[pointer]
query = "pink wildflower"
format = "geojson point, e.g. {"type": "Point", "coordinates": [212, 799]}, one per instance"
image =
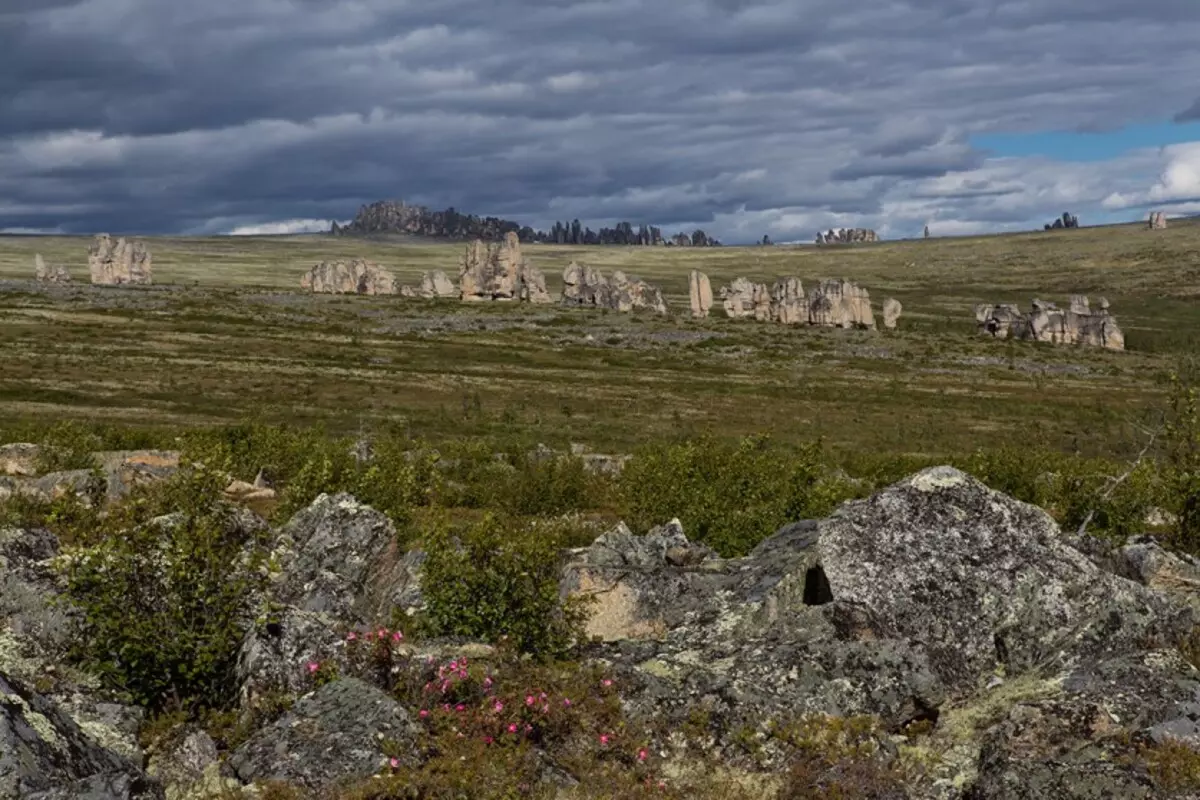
{"type": "Point", "coordinates": [460, 707]}
{"type": "Point", "coordinates": [642, 754]}
{"type": "Point", "coordinates": [604, 738]}
{"type": "Point", "coordinates": [487, 682]}
{"type": "Point", "coordinates": [395, 762]}
{"type": "Point", "coordinates": [424, 713]}
{"type": "Point", "coordinates": [498, 707]}
{"type": "Point", "coordinates": [351, 636]}
{"type": "Point", "coordinates": [606, 683]}
{"type": "Point", "coordinates": [397, 636]}
{"type": "Point", "coordinates": [529, 700]}
{"type": "Point", "coordinates": [512, 728]}
{"type": "Point", "coordinates": [313, 666]}
{"type": "Point", "coordinates": [382, 633]}
{"type": "Point", "coordinates": [567, 702]}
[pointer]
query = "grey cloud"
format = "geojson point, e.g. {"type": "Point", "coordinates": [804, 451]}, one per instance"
{"type": "Point", "coordinates": [787, 112]}
{"type": "Point", "coordinates": [1189, 114]}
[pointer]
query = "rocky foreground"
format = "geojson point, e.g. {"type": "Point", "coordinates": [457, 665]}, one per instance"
{"type": "Point", "coordinates": [1009, 659]}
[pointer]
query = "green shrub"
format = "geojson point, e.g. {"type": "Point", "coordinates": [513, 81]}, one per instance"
{"type": "Point", "coordinates": [1182, 439]}
{"type": "Point", "coordinates": [729, 495]}
{"type": "Point", "coordinates": [162, 600]}
{"type": "Point", "coordinates": [498, 580]}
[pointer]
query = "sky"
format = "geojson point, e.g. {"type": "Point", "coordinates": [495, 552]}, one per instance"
{"type": "Point", "coordinates": [741, 117]}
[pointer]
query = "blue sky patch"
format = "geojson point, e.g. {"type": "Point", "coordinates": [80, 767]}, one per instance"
{"type": "Point", "coordinates": [1072, 146]}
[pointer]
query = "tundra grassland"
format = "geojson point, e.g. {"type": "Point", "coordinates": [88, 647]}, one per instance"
{"type": "Point", "coordinates": [226, 334]}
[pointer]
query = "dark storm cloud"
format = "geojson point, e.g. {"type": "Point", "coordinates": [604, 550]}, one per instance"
{"type": "Point", "coordinates": [741, 116]}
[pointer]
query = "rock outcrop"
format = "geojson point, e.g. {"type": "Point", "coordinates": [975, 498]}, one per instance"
{"type": "Point", "coordinates": [119, 262]}
{"type": "Point", "coordinates": [840, 304]}
{"type": "Point", "coordinates": [744, 299]}
{"type": "Point", "coordinates": [700, 296]}
{"type": "Point", "coordinates": [500, 272]}
{"type": "Point", "coordinates": [1158, 221]}
{"type": "Point", "coordinates": [936, 601]}
{"type": "Point", "coordinates": [1079, 325]}
{"type": "Point", "coordinates": [847, 236]}
{"type": "Point", "coordinates": [891, 313]}
{"type": "Point", "coordinates": [830, 304]}
{"type": "Point", "coordinates": [587, 286]}
{"type": "Point", "coordinates": [44, 273]}
{"type": "Point", "coordinates": [354, 277]}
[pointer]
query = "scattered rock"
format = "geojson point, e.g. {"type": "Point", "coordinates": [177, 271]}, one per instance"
{"type": "Point", "coordinates": [699, 294]}
{"type": "Point", "coordinates": [43, 273]}
{"type": "Point", "coordinates": [119, 262]}
{"type": "Point", "coordinates": [332, 735]}
{"type": "Point", "coordinates": [356, 277]}
{"type": "Point", "coordinates": [891, 313]}
{"type": "Point", "coordinates": [189, 770]}
{"type": "Point", "coordinates": [847, 236]}
{"type": "Point", "coordinates": [19, 459]}
{"type": "Point", "coordinates": [1158, 221]}
{"type": "Point", "coordinates": [587, 286]}
{"type": "Point", "coordinates": [500, 273]}
{"type": "Point", "coordinates": [1081, 324]}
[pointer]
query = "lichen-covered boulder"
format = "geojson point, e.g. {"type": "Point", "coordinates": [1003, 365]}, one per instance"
{"type": "Point", "coordinates": [936, 600]}
{"type": "Point", "coordinates": [46, 755]}
{"type": "Point", "coordinates": [333, 735]}
{"type": "Point", "coordinates": [338, 566]}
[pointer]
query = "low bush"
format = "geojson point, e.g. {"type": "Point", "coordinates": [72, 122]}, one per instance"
{"type": "Point", "coordinates": [497, 579]}
{"type": "Point", "coordinates": [161, 584]}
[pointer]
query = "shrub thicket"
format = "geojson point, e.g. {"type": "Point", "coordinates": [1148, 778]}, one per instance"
{"type": "Point", "coordinates": [497, 579]}
{"type": "Point", "coordinates": [161, 584]}
{"type": "Point", "coordinates": [730, 496]}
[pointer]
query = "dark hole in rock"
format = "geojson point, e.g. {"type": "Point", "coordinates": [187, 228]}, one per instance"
{"type": "Point", "coordinates": [274, 629]}
{"type": "Point", "coordinates": [816, 587]}
{"type": "Point", "coordinates": [1001, 649]}
{"type": "Point", "coordinates": [923, 720]}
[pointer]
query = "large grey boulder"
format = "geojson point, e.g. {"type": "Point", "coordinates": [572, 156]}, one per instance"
{"type": "Point", "coordinates": [46, 755]}
{"type": "Point", "coordinates": [930, 600]}
{"type": "Point", "coordinates": [338, 567]}
{"type": "Point", "coordinates": [333, 735]}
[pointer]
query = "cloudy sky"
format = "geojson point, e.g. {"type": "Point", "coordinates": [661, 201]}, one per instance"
{"type": "Point", "coordinates": [742, 117]}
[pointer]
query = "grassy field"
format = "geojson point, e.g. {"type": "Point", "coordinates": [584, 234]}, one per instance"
{"type": "Point", "coordinates": [226, 333]}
